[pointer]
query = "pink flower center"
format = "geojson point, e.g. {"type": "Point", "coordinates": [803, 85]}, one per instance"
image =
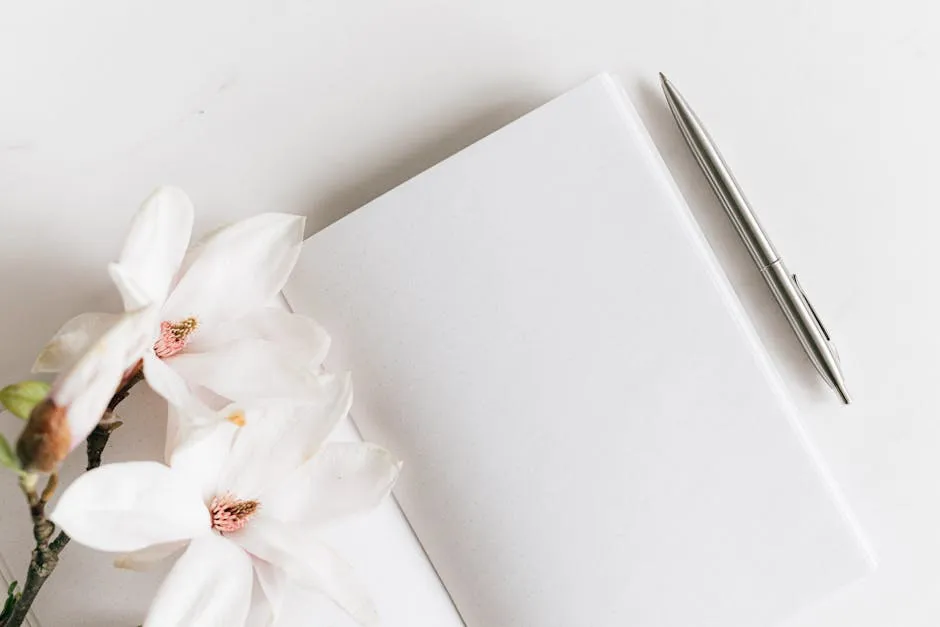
{"type": "Point", "coordinates": [230, 514]}
{"type": "Point", "coordinates": [174, 337]}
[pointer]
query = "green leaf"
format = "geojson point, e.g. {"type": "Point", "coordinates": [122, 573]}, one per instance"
{"type": "Point", "coordinates": [20, 398]}
{"type": "Point", "coordinates": [8, 457]}
{"type": "Point", "coordinates": [12, 598]}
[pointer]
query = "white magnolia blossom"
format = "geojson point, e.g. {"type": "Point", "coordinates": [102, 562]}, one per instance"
{"type": "Point", "coordinates": [244, 506]}
{"type": "Point", "coordinates": [80, 395]}
{"type": "Point", "coordinates": [217, 339]}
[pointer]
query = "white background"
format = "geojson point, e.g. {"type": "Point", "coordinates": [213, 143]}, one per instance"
{"type": "Point", "coordinates": [826, 109]}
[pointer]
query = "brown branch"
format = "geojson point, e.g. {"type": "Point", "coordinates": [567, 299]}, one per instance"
{"type": "Point", "coordinates": [45, 556]}
{"type": "Point", "coordinates": [125, 389]}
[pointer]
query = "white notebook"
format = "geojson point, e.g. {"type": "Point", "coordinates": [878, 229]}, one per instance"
{"type": "Point", "coordinates": [592, 433]}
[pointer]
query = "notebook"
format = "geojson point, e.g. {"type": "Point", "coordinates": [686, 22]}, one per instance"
{"type": "Point", "coordinates": [592, 432]}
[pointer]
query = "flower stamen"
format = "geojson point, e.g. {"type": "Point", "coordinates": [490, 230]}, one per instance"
{"type": "Point", "coordinates": [237, 418]}
{"type": "Point", "coordinates": [230, 514]}
{"type": "Point", "coordinates": [174, 336]}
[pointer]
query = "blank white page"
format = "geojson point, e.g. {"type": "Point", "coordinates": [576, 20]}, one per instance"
{"type": "Point", "coordinates": [592, 433]}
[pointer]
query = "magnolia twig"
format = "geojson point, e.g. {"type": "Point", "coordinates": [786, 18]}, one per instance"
{"type": "Point", "coordinates": [44, 559]}
{"type": "Point", "coordinates": [46, 553]}
{"type": "Point", "coordinates": [125, 389]}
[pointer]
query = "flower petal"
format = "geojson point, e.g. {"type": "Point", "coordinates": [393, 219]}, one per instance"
{"type": "Point", "coordinates": [210, 585]}
{"type": "Point", "coordinates": [249, 370]}
{"type": "Point", "coordinates": [133, 295]}
{"type": "Point", "coordinates": [170, 385]}
{"type": "Point", "coordinates": [130, 506]}
{"type": "Point", "coordinates": [267, 597]}
{"type": "Point", "coordinates": [175, 434]}
{"type": "Point", "coordinates": [87, 387]}
{"type": "Point", "coordinates": [261, 611]}
{"type": "Point", "coordinates": [343, 479]}
{"type": "Point", "coordinates": [144, 559]}
{"type": "Point", "coordinates": [237, 269]}
{"type": "Point", "coordinates": [155, 246]}
{"type": "Point", "coordinates": [297, 336]}
{"type": "Point", "coordinates": [309, 563]}
{"type": "Point", "coordinates": [201, 455]}
{"type": "Point", "coordinates": [280, 438]}
{"type": "Point", "coordinates": [73, 339]}
{"type": "Point", "coordinates": [273, 582]}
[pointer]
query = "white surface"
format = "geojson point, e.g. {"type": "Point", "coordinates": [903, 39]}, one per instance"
{"type": "Point", "coordinates": [826, 110]}
{"type": "Point", "coordinates": [538, 327]}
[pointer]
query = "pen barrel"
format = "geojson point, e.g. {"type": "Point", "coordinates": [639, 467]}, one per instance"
{"type": "Point", "coordinates": [720, 178]}
{"type": "Point", "coordinates": [743, 218]}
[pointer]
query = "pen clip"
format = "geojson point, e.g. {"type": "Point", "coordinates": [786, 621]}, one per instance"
{"type": "Point", "coordinates": [812, 310]}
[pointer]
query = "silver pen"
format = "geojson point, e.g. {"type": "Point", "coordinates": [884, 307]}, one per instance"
{"type": "Point", "coordinates": [785, 286]}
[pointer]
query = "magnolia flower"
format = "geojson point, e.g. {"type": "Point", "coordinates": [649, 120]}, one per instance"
{"type": "Point", "coordinates": [245, 505]}
{"type": "Point", "coordinates": [80, 395]}
{"type": "Point", "coordinates": [217, 340]}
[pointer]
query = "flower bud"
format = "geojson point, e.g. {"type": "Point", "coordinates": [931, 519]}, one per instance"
{"type": "Point", "coordinates": [47, 438]}
{"type": "Point", "coordinates": [78, 399]}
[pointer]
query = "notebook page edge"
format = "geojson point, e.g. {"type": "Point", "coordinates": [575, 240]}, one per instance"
{"type": "Point", "coordinates": [736, 308]}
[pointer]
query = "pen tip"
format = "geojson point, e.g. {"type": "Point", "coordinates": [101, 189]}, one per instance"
{"type": "Point", "coordinates": [844, 394]}
{"type": "Point", "coordinates": [663, 79]}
